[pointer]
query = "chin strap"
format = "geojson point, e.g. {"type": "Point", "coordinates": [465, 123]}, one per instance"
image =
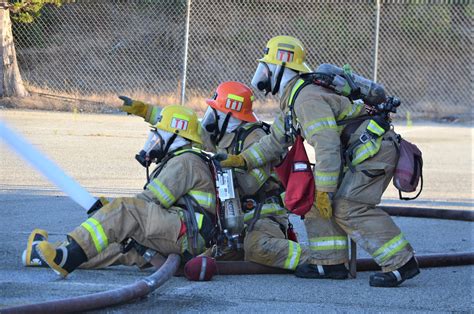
{"type": "Point", "coordinates": [278, 79]}
{"type": "Point", "coordinates": [221, 132]}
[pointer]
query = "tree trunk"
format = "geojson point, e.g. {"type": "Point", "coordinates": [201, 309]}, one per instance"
{"type": "Point", "coordinates": [11, 83]}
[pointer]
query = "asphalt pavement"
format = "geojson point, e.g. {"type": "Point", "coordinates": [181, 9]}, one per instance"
{"type": "Point", "coordinates": [98, 151]}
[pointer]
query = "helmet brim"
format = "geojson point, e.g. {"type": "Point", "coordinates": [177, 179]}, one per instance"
{"type": "Point", "coordinates": [251, 117]}
{"type": "Point", "coordinates": [303, 68]}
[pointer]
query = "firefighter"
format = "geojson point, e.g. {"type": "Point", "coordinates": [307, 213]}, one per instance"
{"type": "Point", "coordinates": [230, 126]}
{"type": "Point", "coordinates": [174, 214]}
{"type": "Point", "coordinates": [233, 127]}
{"type": "Point", "coordinates": [345, 200]}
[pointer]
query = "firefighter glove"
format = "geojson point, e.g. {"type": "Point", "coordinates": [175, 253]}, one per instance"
{"type": "Point", "coordinates": [134, 107]}
{"type": "Point", "coordinates": [323, 204]}
{"type": "Point", "coordinates": [233, 161]}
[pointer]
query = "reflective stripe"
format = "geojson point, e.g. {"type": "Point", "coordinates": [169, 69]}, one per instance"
{"type": "Point", "coordinates": [278, 128]}
{"type": "Point", "coordinates": [97, 233]}
{"type": "Point", "coordinates": [294, 252]}
{"type": "Point", "coordinates": [324, 178]}
{"type": "Point", "coordinates": [293, 91]}
{"type": "Point", "coordinates": [375, 128]}
{"type": "Point", "coordinates": [314, 126]}
{"type": "Point", "coordinates": [390, 248]}
{"type": "Point", "coordinates": [267, 209]}
{"type": "Point", "coordinates": [366, 150]}
{"type": "Point", "coordinates": [155, 113]}
{"type": "Point", "coordinates": [196, 150]}
{"type": "Point", "coordinates": [256, 155]}
{"type": "Point", "coordinates": [204, 199]}
{"type": "Point", "coordinates": [235, 97]}
{"type": "Point", "coordinates": [259, 175]}
{"type": "Point", "coordinates": [350, 111]}
{"type": "Point", "coordinates": [199, 219]}
{"type": "Point", "coordinates": [162, 193]}
{"type": "Point", "coordinates": [328, 243]}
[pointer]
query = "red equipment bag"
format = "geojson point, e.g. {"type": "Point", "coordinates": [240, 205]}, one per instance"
{"type": "Point", "coordinates": [408, 172]}
{"type": "Point", "coordinates": [296, 175]}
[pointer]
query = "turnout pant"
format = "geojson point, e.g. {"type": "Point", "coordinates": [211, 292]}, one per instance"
{"type": "Point", "coordinates": [355, 215]}
{"type": "Point", "coordinates": [267, 244]}
{"type": "Point", "coordinates": [148, 223]}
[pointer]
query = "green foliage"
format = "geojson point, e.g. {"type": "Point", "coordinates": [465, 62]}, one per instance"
{"type": "Point", "coordinates": [26, 11]}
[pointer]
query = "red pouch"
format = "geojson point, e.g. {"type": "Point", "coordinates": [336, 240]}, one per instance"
{"type": "Point", "coordinates": [296, 175]}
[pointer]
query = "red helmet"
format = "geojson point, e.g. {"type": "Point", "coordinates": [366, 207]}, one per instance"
{"type": "Point", "coordinates": [236, 98]}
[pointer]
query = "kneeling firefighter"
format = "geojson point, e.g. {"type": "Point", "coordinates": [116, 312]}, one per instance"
{"type": "Point", "coordinates": [230, 126]}
{"type": "Point", "coordinates": [233, 127]}
{"type": "Point", "coordinates": [356, 153]}
{"type": "Point", "coordinates": [174, 214]}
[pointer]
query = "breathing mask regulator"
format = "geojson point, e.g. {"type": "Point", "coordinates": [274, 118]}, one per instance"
{"type": "Point", "coordinates": [218, 123]}
{"type": "Point", "coordinates": [348, 84]}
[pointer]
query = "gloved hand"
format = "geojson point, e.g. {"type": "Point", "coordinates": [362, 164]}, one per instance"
{"type": "Point", "coordinates": [231, 161]}
{"type": "Point", "coordinates": [323, 204]}
{"type": "Point", "coordinates": [134, 107]}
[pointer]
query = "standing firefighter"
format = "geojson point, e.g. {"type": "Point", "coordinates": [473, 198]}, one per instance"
{"type": "Point", "coordinates": [345, 199]}
{"type": "Point", "coordinates": [175, 213]}
{"type": "Point", "coordinates": [233, 127]}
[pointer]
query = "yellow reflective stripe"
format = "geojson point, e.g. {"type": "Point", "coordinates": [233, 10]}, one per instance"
{"type": "Point", "coordinates": [328, 243]}
{"type": "Point", "coordinates": [293, 91]}
{"type": "Point", "coordinates": [204, 199]}
{"type": "Point", "coordinates": [324, 178]}
{"type": "Point", "coordinates": [252, 98]}
{"type": "Point", "coordinates": [197, 150]}
{"type": "Point", "coordinates": [235, 97]}
{"type": "Point", "coordinates": [97, 233]}
{"type": "Point", "coordinates": [350, 111]}
{"type": "Point", "coordinates": [256, 156]}
{"type": "Point", "coordinates": [314, 126]}
{"type": "Point", "coordinates": [259, 175]}
{"type": "Point", "coordinates": [162, 193]}
{"type": "Point", "coordinates": [375, 128]}
{"type": "Point", "coordinates": [366, 150]}
{"type": "Point", "coordinates": [199, 219]}
{"type": "Point", "coordinates": [294, 253]}
{"type": "Point", "coordinates": [180, 116]}
{"type": "Point", "coordinates": [267, 209]}
{"type": "Point", "coordinates": [155, 113]}
{"type": "Point", "coordinates": [390, 248]}
{"type": "Point", "coordinates": [278, 128]}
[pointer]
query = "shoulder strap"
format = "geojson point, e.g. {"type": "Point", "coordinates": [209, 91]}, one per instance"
{"type": "Point", "coordinates": [244, 131]}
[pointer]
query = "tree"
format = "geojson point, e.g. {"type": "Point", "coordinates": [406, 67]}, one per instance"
{"type": "Point", "coordinates": [25, 11]}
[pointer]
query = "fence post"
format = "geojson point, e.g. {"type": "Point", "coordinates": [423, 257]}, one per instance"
{"type": "Point", "coordinates": [186, 47]}
{"type": "Point", "coordinates": [376, 44]}
{"type": "Point", "coordinates": [10, 79]}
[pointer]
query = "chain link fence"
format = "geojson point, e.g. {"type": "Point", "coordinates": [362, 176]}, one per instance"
{"type": "Point", "coordinates": [421, 50]}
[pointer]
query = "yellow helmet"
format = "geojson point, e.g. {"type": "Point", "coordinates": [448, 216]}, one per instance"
{"type": "Point", "coordinates": [180, 120]}
{"type": "Point", "coordinates": [286, 49]}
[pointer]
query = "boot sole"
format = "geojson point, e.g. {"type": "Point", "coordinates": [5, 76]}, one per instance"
{"type": "Point", "coordinates": [336, 276]}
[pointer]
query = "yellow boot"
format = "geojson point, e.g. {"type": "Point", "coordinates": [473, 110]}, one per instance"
{"type": "Point", "coordinates": [63, 259]}
{"type": "Point", "coordinates": [29, 256]}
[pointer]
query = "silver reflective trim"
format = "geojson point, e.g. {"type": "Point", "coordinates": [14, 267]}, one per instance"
{"type": "Point", "coordinates": [203, 269]}
{"type": "Point", "coordinates": [320, 269]}
{"type": "Point", "coordinates": [397, 274]}
{"type": "Point", "coordinates": [64, 259]}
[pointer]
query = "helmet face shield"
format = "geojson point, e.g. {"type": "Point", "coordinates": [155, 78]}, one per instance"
{"type": "Point", "coordinates": [152, 149]}
{"type": "Point", "coordinates": [210, 120]}
{"type": "Point", "coordinates": [262, 79]}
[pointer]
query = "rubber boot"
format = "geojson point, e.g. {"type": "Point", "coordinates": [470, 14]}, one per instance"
{"type": "Point", "coordinates": [29, 256]}
{"type": "Point", "coordinates": [396, 277]}
{"type": "Point", "coordinates": [314, 271]}
{"type": "Point", "coordinates": [63, 259]}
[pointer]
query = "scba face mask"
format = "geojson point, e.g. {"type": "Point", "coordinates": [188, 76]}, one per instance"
{"type": "Point", "coordinates": [218, 123]}
{"type": "Point", "coordinates": [262, 79]}
{"type": "Point", "coordinates": [157, 146]}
